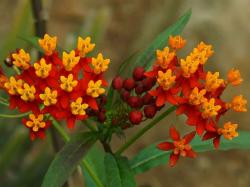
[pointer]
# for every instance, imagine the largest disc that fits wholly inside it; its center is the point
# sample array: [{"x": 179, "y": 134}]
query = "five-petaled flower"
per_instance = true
[{"x": 179, "y": 146}]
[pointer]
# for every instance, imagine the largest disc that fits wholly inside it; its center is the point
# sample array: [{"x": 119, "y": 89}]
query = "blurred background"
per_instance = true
[{"x": 120, "y": 27}]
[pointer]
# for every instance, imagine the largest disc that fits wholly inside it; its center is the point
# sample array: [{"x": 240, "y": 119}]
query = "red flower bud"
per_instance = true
[
  {"x": 150, "y": 111},
  {"x": 138, "y": 73},
  {"x": 101, "y": 117},
  {"x": 148, "y": 83},
  {"x": 125, "y": 95},
  {"x": 135, "y": 117},
  {"x": 148, "y": 99},
  {"x": 139, "y": 89},
  {"x": 129, "y": 84},
  {"x": 135, "y": 102},
  {"x": 117, "y": 83}
]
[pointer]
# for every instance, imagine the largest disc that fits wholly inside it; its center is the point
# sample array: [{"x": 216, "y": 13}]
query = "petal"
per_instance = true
[
  {"x": 70, "y": 123},
  {"x": 173, "y": 159},
  {"x": 92, "y": 103},
  {"x": 216, "y": 142},
  {"x": 209, "y": 135},
  {"x": 181, "y": 109},
  {"x": 174, "y": 134},
  {"x": 160, "y": 100},
  {"x": 165, "y": 146},
  {"x": 200, "y": 129},
  {"x": 191, "y": 154},
  {"x": 171, "y": 99},
  {"x": 188, "y": 137}
]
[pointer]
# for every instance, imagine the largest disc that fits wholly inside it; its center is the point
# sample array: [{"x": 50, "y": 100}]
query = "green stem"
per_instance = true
[
  {"x": 145, "y": 129},
  {"x": 88, "y": 168},
  {"x": 89, "y": 125},
  {"x": 84, "y": 163},
  {"x": 60, "y": 130},
  {"x": 4, "y": 103},
  {"x": 14, "y": 115},
  {"x": 3, "y": 99}
]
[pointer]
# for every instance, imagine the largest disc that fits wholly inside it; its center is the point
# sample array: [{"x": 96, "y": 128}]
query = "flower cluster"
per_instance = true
[
  {"x": 183, "y": 83},
  {"x": 65, "y": 87},
  {"x": 195, "y": 92}
]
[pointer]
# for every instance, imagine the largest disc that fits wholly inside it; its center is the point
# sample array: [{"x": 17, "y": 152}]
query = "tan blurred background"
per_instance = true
[{"x": 120, "y": 27}]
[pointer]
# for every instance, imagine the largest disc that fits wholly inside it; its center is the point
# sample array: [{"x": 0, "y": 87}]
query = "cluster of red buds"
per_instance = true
[
  {"x": 66, "y": 87},
  {"x": 134, "y": 92}
]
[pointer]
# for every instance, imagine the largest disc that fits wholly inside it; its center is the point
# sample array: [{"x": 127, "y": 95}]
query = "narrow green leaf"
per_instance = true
[
  {"x": 147, "y": 57},
  {"x": 126, "y": 173},
  {"x": 33, "y": 41},
  {"x": 118, "y": 172},
  {"x": 152, "y": 157},
  {"x": 95, "y": 158},
  {"x": 67, "y": 159},
  {"x": 112, "y": 173}
]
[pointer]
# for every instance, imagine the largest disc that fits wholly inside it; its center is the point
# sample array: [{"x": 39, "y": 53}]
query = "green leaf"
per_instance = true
[
  {"x": 118, "y": 172},
  {"x": 147, "y": 57},
  {"x": 95, "y": 158},
  {"x": 67, "y": 159},
  {"x": 151, "y": 157},
  {"x": 112, "y": 173},
  {"x": 126, "y": 173},
  {"x": 33, "y": 41}
]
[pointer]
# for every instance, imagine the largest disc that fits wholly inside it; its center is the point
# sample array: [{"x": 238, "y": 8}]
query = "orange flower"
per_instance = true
[
  {"x": 176, "y": 42},
  {"x": 234, "y": 77}
]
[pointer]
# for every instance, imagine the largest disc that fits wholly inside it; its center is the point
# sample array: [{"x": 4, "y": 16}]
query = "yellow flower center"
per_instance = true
[
  {"x": 181, "y": 148},
  {"x": 36, "y": 123},
  {"x": 49, "y": 97},
  {"x": 197, "y": 97},
  {"x": 234, "y": 77},
  {"x": 100, "y": 64},
  {"x": 13, "y": 85},
  {"x": 94, "y": 88},
  {"x": 209, "y": 109},
  {"x": 176, "y": 42},
  {"x": 21, "y": 59},
  {"x": 212, "y": 81},
  {"x": 229, "y": 131},
  {"x": 166, "y": 80},
  {"x": 70, "y": 60},
  {"x": 78, "y": 108},
  {"x": 68, "y": 83},
  {"x": 42, "y": 69},
  {"x": 27, "y": 92},
  {"x": 48, "y": 44},
  {"x": 189, "y": 66},
  {"x": 164, "y": 57},
  {"x": 238, "y": 104},
  {"x": 84, "y": 46}
]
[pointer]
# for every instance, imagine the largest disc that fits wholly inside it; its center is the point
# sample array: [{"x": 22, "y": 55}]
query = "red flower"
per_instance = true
[
  {"x": 180, "y": 146},
  {"x": 37, "y": 125}
]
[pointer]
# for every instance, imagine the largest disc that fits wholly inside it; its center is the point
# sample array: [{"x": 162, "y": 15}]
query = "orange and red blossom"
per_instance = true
[
  {"x": 179, "y": 146},
  {"x": 37, "y": 125},
  {"x": 48, "y": 44},
  {"x": 228, "y": 130}
]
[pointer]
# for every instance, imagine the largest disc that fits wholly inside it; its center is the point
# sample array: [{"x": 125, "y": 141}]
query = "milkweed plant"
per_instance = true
[{"x": 70, "y": 86}]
